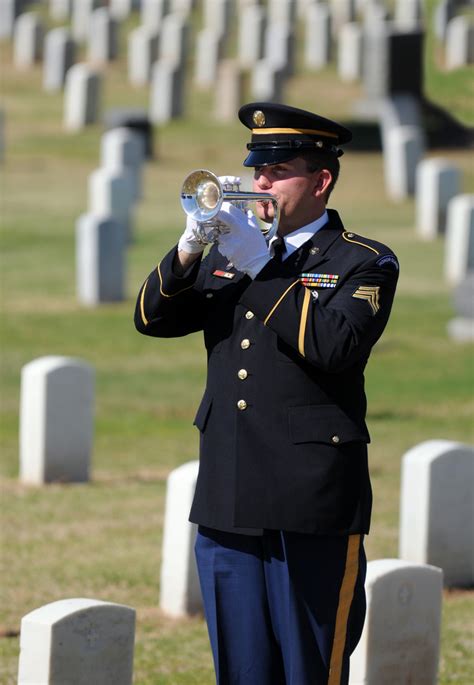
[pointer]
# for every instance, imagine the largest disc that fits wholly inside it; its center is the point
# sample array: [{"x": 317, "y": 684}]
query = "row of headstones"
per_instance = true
[
  {"x": 158, "y": 50},
  {"x": 436, "y": 526},
  {"x": 402, "y": 629},
  {"x": 105, "y": 230}
]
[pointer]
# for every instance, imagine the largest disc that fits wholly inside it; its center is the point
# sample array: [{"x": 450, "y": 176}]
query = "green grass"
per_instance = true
[{"x": 103, "y": 539}]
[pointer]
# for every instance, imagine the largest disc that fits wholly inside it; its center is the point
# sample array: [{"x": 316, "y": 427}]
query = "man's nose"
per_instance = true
[{"x": 262, "y": 180}]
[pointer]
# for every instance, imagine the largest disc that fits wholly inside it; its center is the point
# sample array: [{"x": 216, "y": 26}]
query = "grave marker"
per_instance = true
[
  {"x": 81, "y": 97},
  {"x": 112, "y": 194},
  {"x": 459, "y": 244},
  {"x": 317, "y": 37},
  {"x": 437, "y": 181},
  {"x": 142, "y": 54},
  {"x": 167, "y": 91},
  {"x": 401, "y": 635},
  {"x": 349, "y": 62},
  {"x": 56, "y": 415},
  {"x": 459, "y": 43},
  {"x": 100, "y": 259},
  {"x": 252, "y": 27},
  {"x": 28, "y": 40},
  {"x": 79, "y": 642},
  {"x": 59, "y": 56},
  {"x": 402, "y": 153},
  {"x": 180, "y": 593},
  {"x": 103, "y": 36},
  {"x": 436, "y": 506}
]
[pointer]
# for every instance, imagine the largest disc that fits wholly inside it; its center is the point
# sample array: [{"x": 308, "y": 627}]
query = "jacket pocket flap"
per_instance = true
[
  {"x": 202, "y": 413},
  {"x": 325, "y": 423}
]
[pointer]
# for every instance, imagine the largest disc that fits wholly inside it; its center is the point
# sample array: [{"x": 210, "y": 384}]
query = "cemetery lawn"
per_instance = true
[{"x": 103, "y": 539}]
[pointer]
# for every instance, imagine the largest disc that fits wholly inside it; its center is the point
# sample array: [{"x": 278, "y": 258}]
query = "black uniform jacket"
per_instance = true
[{"x": 282, "y": 419}]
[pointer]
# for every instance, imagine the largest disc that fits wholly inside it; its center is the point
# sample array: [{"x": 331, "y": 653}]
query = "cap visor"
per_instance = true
[{"x": 266, "y": 157}]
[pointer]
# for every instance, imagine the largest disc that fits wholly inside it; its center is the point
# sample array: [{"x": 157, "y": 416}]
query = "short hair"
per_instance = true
[{"x": 318, "y": 160}]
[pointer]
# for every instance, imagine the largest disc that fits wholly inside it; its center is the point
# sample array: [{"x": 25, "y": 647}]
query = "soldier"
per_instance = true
[{"x": 283, "y": 497}]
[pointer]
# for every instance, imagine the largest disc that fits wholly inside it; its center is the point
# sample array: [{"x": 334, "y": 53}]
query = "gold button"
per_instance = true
[
  {"x": 242, "y": 374},
  {"x": 242, "y": 404},
  {"x": 314, "y": 250},
  {"x": 245, "y": 344},
  {"x": 335, "y": 439},
  {"x": 249, "y": 315}
]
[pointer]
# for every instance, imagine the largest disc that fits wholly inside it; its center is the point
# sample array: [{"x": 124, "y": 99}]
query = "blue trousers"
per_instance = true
[{"x": 282, "y": 608}]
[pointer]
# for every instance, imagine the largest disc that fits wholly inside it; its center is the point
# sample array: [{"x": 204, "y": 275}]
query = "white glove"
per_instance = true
[
  {"x": 244, "y": 245},
  {"x": 188, "y": 241}
]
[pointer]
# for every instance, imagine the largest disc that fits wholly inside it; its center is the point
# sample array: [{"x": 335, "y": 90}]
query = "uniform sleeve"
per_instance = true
[
  {"x": 333, "y": 332},
  {"x": 168, "y": 305}
]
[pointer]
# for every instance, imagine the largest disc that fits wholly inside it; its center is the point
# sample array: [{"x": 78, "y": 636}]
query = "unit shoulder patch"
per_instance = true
[{"x": 388, "y": 260}]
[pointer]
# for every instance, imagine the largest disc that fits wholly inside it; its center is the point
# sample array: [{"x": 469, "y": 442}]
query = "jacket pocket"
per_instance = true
[
  {"x": 324, "y": 423},
  {"x": 203, "y": 412}
]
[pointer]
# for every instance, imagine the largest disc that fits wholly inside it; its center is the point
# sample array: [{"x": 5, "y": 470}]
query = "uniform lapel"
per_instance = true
[{"x": 314, "y": 251}]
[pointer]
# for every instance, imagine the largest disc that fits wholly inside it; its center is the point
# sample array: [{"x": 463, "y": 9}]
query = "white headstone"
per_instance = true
[
  {"x": 459, "y": 245},
  {"x": 279, "y": 47},
  {"x": 342, "y": 12},
  {"x": 459, "y": 42},
  {"x": 81, "y": 97},
  {"x": 403, "y": 151},
  {"x": 349, "y": 58},
  {"x": 228, "y": 91},
  {"x": 122, "y": 148},
  {"x": 252, "y": 26},
  {"x": 103, "y": 36},
  {"x": 166, "y": 92},
  {"x": 444, "y": 12},
  {"x": 437, "y": 181},
  {"x": 100, "y": 260},
  {"x": 179, "y": 592},
  {"x": 59, "y": 56},
  {"x": 282, "y": 11},
  {"x": 174, "y": 38},
  {"x": 2, "y": 135},
  {"x": 401, "y": 635},
  {"x": 317, "y": 49},
  {"x": 436, "y": 508},
  {"x": 208, "y": 52},
  {"x": 56, "y": 416},
  {"x": 28, "y": 40},
  {"x": 142, "y": 54},
  {"x": 77, "y": 642},
  {"x": 121, "y": 9},
  {"x": 60, "y": 10},
  {"x": 267, "y": 81},
  {"x": 112, "y": 194},
  {"x": 9, "y": 11},
  {"x": 152, "y": 13},
  {"x": 217, "y": 16},
  {"x": 408, "y": 14},
  {"x": 81, "y": 17}
]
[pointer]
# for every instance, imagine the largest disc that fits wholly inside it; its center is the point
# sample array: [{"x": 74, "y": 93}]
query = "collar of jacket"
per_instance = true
[{"x": 313, "y": 251}]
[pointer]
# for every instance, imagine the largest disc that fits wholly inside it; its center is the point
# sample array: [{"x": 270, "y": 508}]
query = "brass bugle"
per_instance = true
[{"x": 202, "y": 195}]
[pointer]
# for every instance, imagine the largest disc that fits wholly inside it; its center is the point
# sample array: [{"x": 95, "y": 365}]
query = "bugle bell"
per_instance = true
[{"x": 202, "y": 195}]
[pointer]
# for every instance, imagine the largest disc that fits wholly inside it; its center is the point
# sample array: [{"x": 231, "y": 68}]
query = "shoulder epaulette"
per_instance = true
[{"x": 358, "y": 240}]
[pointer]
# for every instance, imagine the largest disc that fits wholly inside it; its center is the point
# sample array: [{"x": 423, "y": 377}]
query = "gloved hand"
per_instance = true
[
  {"x": 244, "y": 245},
  {"x": 188, "y": 241}
]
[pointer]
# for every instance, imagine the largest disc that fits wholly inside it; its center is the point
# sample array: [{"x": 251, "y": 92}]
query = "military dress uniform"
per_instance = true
[{"x": 283, "y": 438}]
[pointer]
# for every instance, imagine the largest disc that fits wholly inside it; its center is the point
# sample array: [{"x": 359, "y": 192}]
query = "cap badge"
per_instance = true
[{"x": 258, "y": 118}]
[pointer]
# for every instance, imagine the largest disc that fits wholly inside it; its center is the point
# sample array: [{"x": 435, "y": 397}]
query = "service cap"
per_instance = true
[{"x": 281, "y": 133}]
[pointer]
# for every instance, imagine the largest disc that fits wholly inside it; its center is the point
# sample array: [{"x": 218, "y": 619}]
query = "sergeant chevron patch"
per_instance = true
[
  {"x": 311, "y": 280},
  {"x": 370, "y": 293}
]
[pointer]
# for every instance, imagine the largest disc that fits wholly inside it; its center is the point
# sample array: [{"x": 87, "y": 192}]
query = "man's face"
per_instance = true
[{"x": 296, "y": 190}]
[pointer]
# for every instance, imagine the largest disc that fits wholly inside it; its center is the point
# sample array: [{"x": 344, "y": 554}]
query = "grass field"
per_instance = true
[{"x": 103, "y": 539}]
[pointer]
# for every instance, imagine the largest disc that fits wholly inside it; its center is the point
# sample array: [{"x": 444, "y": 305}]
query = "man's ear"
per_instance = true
[{"x": 323, "y": 181}]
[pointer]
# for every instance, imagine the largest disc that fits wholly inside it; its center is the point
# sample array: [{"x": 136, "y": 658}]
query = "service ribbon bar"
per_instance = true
[{"x": 311, "y": 280}]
